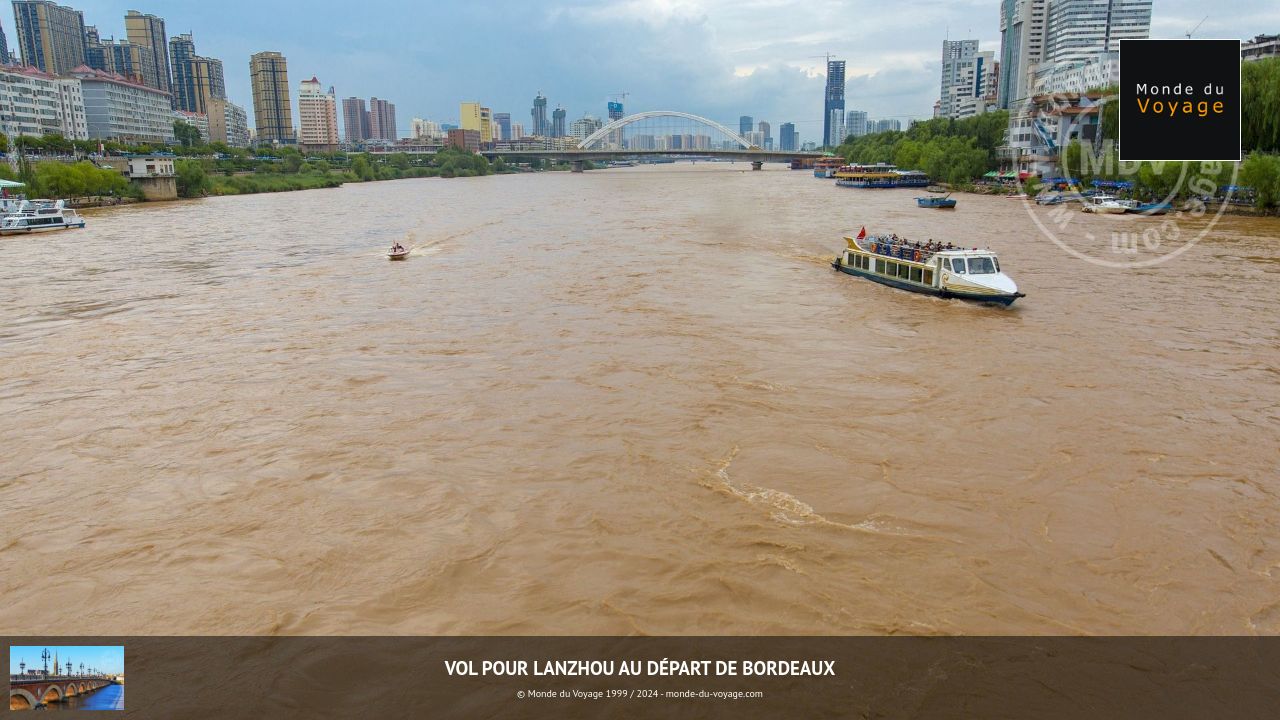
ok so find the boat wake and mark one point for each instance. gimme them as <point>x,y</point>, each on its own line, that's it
<point>787,508</point>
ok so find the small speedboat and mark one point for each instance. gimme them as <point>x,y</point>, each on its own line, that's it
<point>1159,208</point>
<point>1050,200</point>
<point>398,252</point>
<point>1108,205</point>
<point>944,203</point>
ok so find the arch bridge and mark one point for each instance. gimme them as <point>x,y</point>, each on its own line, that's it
<point>39,692</point>
<point>608,143</point>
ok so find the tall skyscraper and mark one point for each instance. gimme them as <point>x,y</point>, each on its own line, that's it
<point>4,47</point>
<point>50,36</point>
<point>1022,26</point>
<point>136,62</point>
<point>355,120</point>
<point>382,120</point>
<point>272,111</point>
<point>745,125</point>
<point>1079,30</point>
<point>787,137</point>
<point>966,76</point>
<point>558,122</point>
<point>517,131</point>
<point>502,121</point>
<point>833,104</point>
<point>855,123</point>
<point>486,125</point>
<point>181,49</point>
<point>765,132</point>
<point>540,126</point>
<point>148,31</point>
<point>317,117</point>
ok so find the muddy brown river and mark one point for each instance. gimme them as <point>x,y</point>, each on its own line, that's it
<point>633,401</point>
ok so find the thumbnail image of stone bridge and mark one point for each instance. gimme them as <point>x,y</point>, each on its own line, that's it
<point>37,692</point>
<point>661,134</point>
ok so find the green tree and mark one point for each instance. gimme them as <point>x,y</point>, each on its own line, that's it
<point>362,169</point>
<point>192,179</point>
<point>1260,98</point>
<point>187,135</point>
<point>1262,173</point>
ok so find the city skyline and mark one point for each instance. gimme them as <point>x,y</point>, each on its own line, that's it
<point>728,59</point>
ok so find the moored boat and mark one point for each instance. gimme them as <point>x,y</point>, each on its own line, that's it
<point>40,216</point>
<point>826,167</point>
<point>943,203</point>
<point>1159,208</point>
<point>944,272</point>
<point>1107,205</point>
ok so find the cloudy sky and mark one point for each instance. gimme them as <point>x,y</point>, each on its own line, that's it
<point>717,58</point>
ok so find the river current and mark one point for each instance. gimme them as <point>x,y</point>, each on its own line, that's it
<point>628,401</point>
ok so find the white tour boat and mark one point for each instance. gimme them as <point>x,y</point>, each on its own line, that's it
<point>949,273</point>
<point>40,216</point>
<point>1108,205</point>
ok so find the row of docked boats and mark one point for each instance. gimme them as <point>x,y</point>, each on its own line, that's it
<point>21,216</point>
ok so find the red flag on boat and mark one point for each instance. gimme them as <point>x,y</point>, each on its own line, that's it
<point>863,232</point>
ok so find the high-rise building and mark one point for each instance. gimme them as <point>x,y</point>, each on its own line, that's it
<point>425,130</point>
<point>317,117</point>
<point>469,116</point>
<point>855,123</point>
<point>886,125</point>
<point>833,103</point>
<point>558,122</point>
<point>136,62</point>
<point>517,131</point>
<point>745,125</point>
<point>272,111</point>
<point>582,128</point>
<point>355,120</point>
<point>788,140</point>
<point>967,74</point>
<point>382,120</point>
<point>1022,35</point>
<point>1079,30</point>
<point>766,131</point>
<point>50,36</point>
<point>181,49</point>
<point>4,47</point>
<point>502,125</point>
<point>541,128</point>
<point>228,123</point>
<point>148,31</point>
<point>96,54</point>
<point>486,125</point>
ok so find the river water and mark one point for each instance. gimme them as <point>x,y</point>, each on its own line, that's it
<point>627,401</point>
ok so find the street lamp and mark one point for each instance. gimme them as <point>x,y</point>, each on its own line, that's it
<point>45,656</point>
<point>22,667</point>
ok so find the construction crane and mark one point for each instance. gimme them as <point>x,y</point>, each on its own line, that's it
<point>1197,27</point>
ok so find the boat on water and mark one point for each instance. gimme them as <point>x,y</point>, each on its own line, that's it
<point>398,252</point>
<point>949,273</point>
<point>826,167</point>
<point>877,176</point>
<point>943,203</point>
<point>40,216</point>
<point>1108,205</point>
<point>1160,208</point>
<point>1050,200</point>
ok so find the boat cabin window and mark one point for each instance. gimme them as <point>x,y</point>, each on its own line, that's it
<point>981,266</point>
<point>915,274</point>
<point>903,270</point>
<point>957,265</point>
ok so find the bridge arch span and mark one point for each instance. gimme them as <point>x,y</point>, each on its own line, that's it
<point>71,690</point>
<point>53,693</point>
<point>21,700</point>
<point>618,125</point>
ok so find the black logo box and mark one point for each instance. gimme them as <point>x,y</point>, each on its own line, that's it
<point>1188,64</point>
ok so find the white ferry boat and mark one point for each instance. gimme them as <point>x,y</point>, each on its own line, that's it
<point>40,216</point>
<point>949,272</point>
<point>1108,205</point>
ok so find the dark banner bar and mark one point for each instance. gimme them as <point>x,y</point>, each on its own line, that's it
<point>702,677</point>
